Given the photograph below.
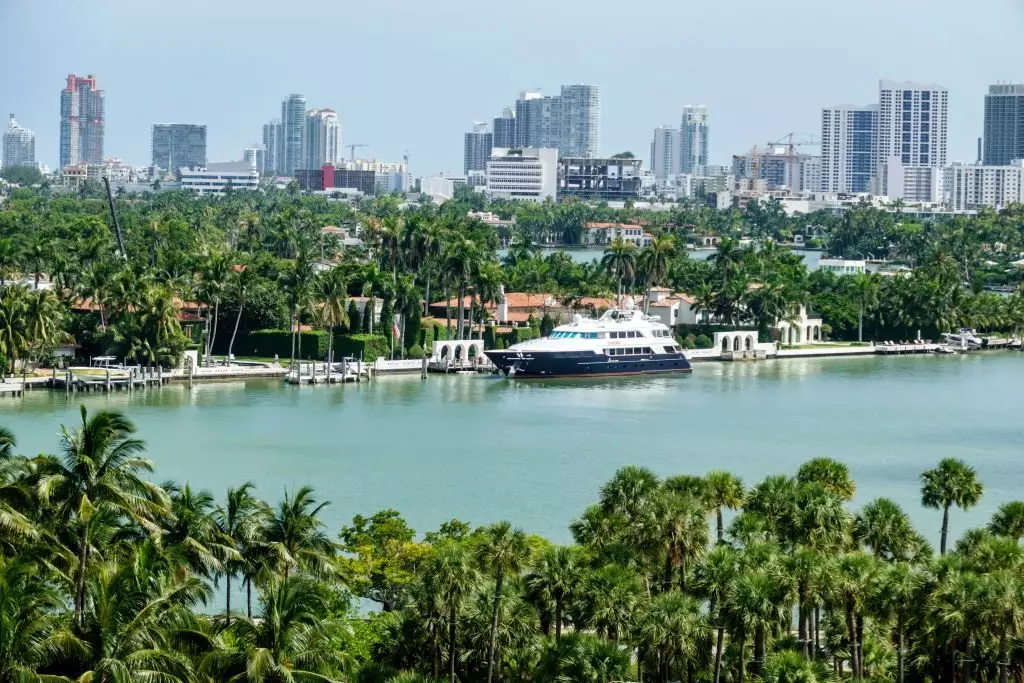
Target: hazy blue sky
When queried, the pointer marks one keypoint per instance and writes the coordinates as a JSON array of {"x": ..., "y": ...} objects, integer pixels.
[{"x": 413, "y": 76}]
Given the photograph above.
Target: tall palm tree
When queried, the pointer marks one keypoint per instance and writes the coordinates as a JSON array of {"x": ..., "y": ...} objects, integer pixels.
[
  {"x": 866, "y": 288},
  {"x": 332, "y": 293},
  {"x": 896, "y": 596},
  {"x": 242, "y": 519},
  {"x": 885, "y": 529},
  {"x": 679, "y": 524},
  {"x": 13, "y": 326},
  {"x": 214, "y": 275},
  {"x": 674, "y": 629},
  {"x": 724, "y": 490},
  {"x": 97, "y": 475},
  {"x": 297, "y": 281},
  {"x": 1002, "y": 609},
  {"x": 502, "y": 549},
  {"x": 952, "y": 482},
  {"x": 762, "y": 599},
  {"x": 787, "y": 666},
  {"x": 619, "y": 261},
  {"x": 293, "y": 640},
  {"x": 241, "y": 281},
  {"x": 654, "y": 262},
  {"x": 715, "y": 579},
  {"x": 295, "y": 534},
  {"x": 451, "y": 574},
  {"x": 191, "y": 534},
  {"x": 727, "y": 259},
  {"x": 555, "y": 578}
]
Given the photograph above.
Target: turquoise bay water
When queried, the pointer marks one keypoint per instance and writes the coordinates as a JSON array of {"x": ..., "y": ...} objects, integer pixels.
[{"x": 483, "y": 448}]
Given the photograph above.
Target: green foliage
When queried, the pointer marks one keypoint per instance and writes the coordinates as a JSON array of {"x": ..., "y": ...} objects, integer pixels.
[
  {"x": 369, "y": 347},
  {"x": 22, "y": 175},
  {"x": 547, "y": 325},
  {"x": 415, "y": 351},
  {"x": 355, "y": 321},
  {"x": 688, "y": 342},
  {"x": 702, "y": 341},
  {"x": 268, "y": 343}
]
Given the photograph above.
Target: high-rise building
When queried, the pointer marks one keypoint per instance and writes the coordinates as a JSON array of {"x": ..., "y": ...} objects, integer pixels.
[
  {"x": 19, "y": 147},
  {"x": 522, "y": 173},
  {"x": 666, "y": 152},
  {"x": 255, "y": 157},
  {"x": 477, "y": 150},
  {"x": 1004, "y": 123},
  {"x": 505, "y": 129},
  {"x": 272, "y": 161},
  {"x": 321, "y": 141},
  {"x": 538, "y": 120},
  {"x": 293, "y": 116},
  {"x": 580, "y": 128},
  {"x": 178, "y": 145},
  {"x": 970, "y": 187},
  {"x": 695, "y": 139},
  {"x": 913, "y": 131},
  {"x": 81, "y": 121},
  {"x": 848, "y": 161}
]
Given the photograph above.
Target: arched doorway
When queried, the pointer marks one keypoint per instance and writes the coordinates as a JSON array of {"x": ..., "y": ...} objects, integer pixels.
[
  {"x": 749, "y": 343},
  {"x": 725, "y": 343},
  {"x": 736, "y": 343}
]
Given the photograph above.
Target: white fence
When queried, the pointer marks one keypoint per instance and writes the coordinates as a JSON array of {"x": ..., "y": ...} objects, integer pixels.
[{"x": 385, "y": 365}]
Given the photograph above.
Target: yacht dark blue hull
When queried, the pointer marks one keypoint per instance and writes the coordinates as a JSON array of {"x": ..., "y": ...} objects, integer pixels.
[{"x": 527, "y": 364}]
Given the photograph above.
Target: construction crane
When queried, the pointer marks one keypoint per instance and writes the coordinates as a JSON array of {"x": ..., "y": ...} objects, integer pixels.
[
  {"x": 113, "y": 216},
  {"x": 352, "y": 150},
  {"x": 791, "y": 141}
]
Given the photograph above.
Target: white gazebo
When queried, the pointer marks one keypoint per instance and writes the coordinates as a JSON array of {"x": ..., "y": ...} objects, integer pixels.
[
  {"x": 457, "y": 354},
  {"x": 801, "y": 329}
]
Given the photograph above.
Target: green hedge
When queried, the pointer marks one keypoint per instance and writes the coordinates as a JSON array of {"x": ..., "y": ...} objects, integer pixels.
[
  {"x": 268, "y": 343},
  {"x": 369, "y": 347}
]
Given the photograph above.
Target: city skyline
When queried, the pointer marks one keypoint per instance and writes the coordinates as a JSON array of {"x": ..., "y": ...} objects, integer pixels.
[{"x": 966, "y": 53}]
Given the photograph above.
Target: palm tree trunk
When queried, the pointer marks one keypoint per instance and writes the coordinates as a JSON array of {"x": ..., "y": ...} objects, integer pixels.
[
  {"x": 801, "y": 614},
  {"x": 860, "y": 323},
  {"x": 721, "y": 524},
  {"x": 558, "y": 620},
  {"x": 372, "y": 311},
  {"x": 291, "y": 361},
  {"x": 248, "y": 597},
  {"x": 968, "y": 659},
  {"x": 494, "y": 623},
  {"x": 666, "y": 581},
  {"x": 227, "y": 594},
  {"x": 718, "y": 654},
  {"x": 743, "y": 653},
  {"x": 461, "y": 310},
  {"x": 83, "y": 559},
  {"x": 448, "y": 307},
  {"x": 216, "y": 316},
  {"x": 452, "y": 618},
  {"x": 759, "y": 648},
  {"x": 945, "y": 529},
  {"x": 234, "y": 332},
  {"x": 1003, "y": 660},
  {"x": 817, "y": 631}
]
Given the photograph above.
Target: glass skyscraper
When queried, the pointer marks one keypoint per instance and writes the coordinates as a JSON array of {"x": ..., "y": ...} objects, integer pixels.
[
  {"x": 81, "y": 121},
  {"x": 293, "y": 117},
  {"x": 1004, "y": 124},
  {"x": 695, "y": 140},
  {"x": 178, "y": 145}
]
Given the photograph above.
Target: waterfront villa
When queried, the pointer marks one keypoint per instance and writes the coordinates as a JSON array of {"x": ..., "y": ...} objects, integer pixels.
[
  {"x": 596, "y": 234},
  {"x": 516, "y": 308},
  {"x": 800, "y": 329}
]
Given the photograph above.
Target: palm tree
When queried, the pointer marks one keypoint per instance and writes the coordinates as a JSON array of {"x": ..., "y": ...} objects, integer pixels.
[
  {"x": 715, "y": 578},
  {"x": 555, "y": 579},
  {"x": 1008, "y": 520},
  {"x": 30, "y": 637},
  {"x": 896, "y": 595},
  {"x": 761, "y": 600},
  {"x": 214, "y": 279},
  {"x": 724, "y": 490},
  {"x": 1002, "y": 609},
  {"x": 787, "y": 666},
  {"x": 451, "y": 575},
  {"x": 654, "y": 262},
  {"x": 674, "y": 629},
  {"x": 462, "y": 261},
  {"x": 831, "y": 475},
  {"x": 332, "y": 292},
  {"x": 191, "y": 535},
  {"x": 885, "y": 529},
  {"x": 679, "y": 524},
  {"x": 13, "y": 326},
  {"x": 242, "y": 519},
  {"x": 953, "y": 482},
  {"x": 727, "y": 259},
  {"x": 241, "y": 280},
  {"x": 293, "y": 640},
  {"x": 866, "y": 288},
  {"x": 97, "y": 476},
  {"x": 297, "y": 282},
  {"x": 857, "y": 572},
  {"x": 619, "y": 261},
  {"x": 295, "y": 534},
  {"x": 502, "y": 549}
]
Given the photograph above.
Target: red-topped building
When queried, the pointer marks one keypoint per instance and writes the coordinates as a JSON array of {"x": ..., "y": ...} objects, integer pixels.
[{"x": 81, "y": 121}]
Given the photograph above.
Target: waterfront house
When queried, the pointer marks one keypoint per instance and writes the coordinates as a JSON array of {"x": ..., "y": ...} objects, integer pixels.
[
  {"x": 599, "y": 234},
  {"x": 802, "y": 328},
  {"x": 516, "y": 308}
]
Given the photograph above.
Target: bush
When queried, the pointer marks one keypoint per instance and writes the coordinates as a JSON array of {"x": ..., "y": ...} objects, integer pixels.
[
  {"x": 354, "y": 319},
  {"x": 547, "y": 325},
  {"x": 268, "y": 343},
  {"x": 369, "y": 347},
  {"x": 687, "y": 343},
  {"x": 702, "y": 341},
  {"x": 415, "y": 351}
]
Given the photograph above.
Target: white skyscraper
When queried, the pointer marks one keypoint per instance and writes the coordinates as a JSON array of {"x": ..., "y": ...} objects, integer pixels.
[
  {"x": 19, "y": 146},
  {"x": 848, "y": 151},
  {"x": 695, "y": 139},
  {"x": 321, "y": 139},
  {"x": 477, "y": 148},
  {"x": 912, "y": 136},
  {"x": 666, "y": 152},
  {"x": 580, "y": 134}
]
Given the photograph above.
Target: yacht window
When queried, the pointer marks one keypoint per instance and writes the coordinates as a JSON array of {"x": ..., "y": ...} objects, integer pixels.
[{"x": 647, "y": 349}]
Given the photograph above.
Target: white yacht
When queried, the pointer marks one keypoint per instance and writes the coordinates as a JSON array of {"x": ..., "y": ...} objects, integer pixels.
[{"x": 623, "y": 341}]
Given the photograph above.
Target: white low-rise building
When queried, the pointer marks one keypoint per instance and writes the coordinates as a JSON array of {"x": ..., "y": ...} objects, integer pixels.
[
  {"x": 209, "y": 180},
  {"x": 596, "y": 234},
  {"x": 801, "y": 328},
  {"x": 527, "y": 173},
  {"x": 841, "y": 266},
  {"x": 973, "y": 186}
]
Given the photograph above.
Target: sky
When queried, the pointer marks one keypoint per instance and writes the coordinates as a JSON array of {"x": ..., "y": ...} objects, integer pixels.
[{"x": 413, "y": 76}]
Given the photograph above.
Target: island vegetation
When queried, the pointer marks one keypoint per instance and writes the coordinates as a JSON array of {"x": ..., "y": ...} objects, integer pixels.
[
  {"x": 107, "y": 576},
  {"x": 256, "y": 274}
]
